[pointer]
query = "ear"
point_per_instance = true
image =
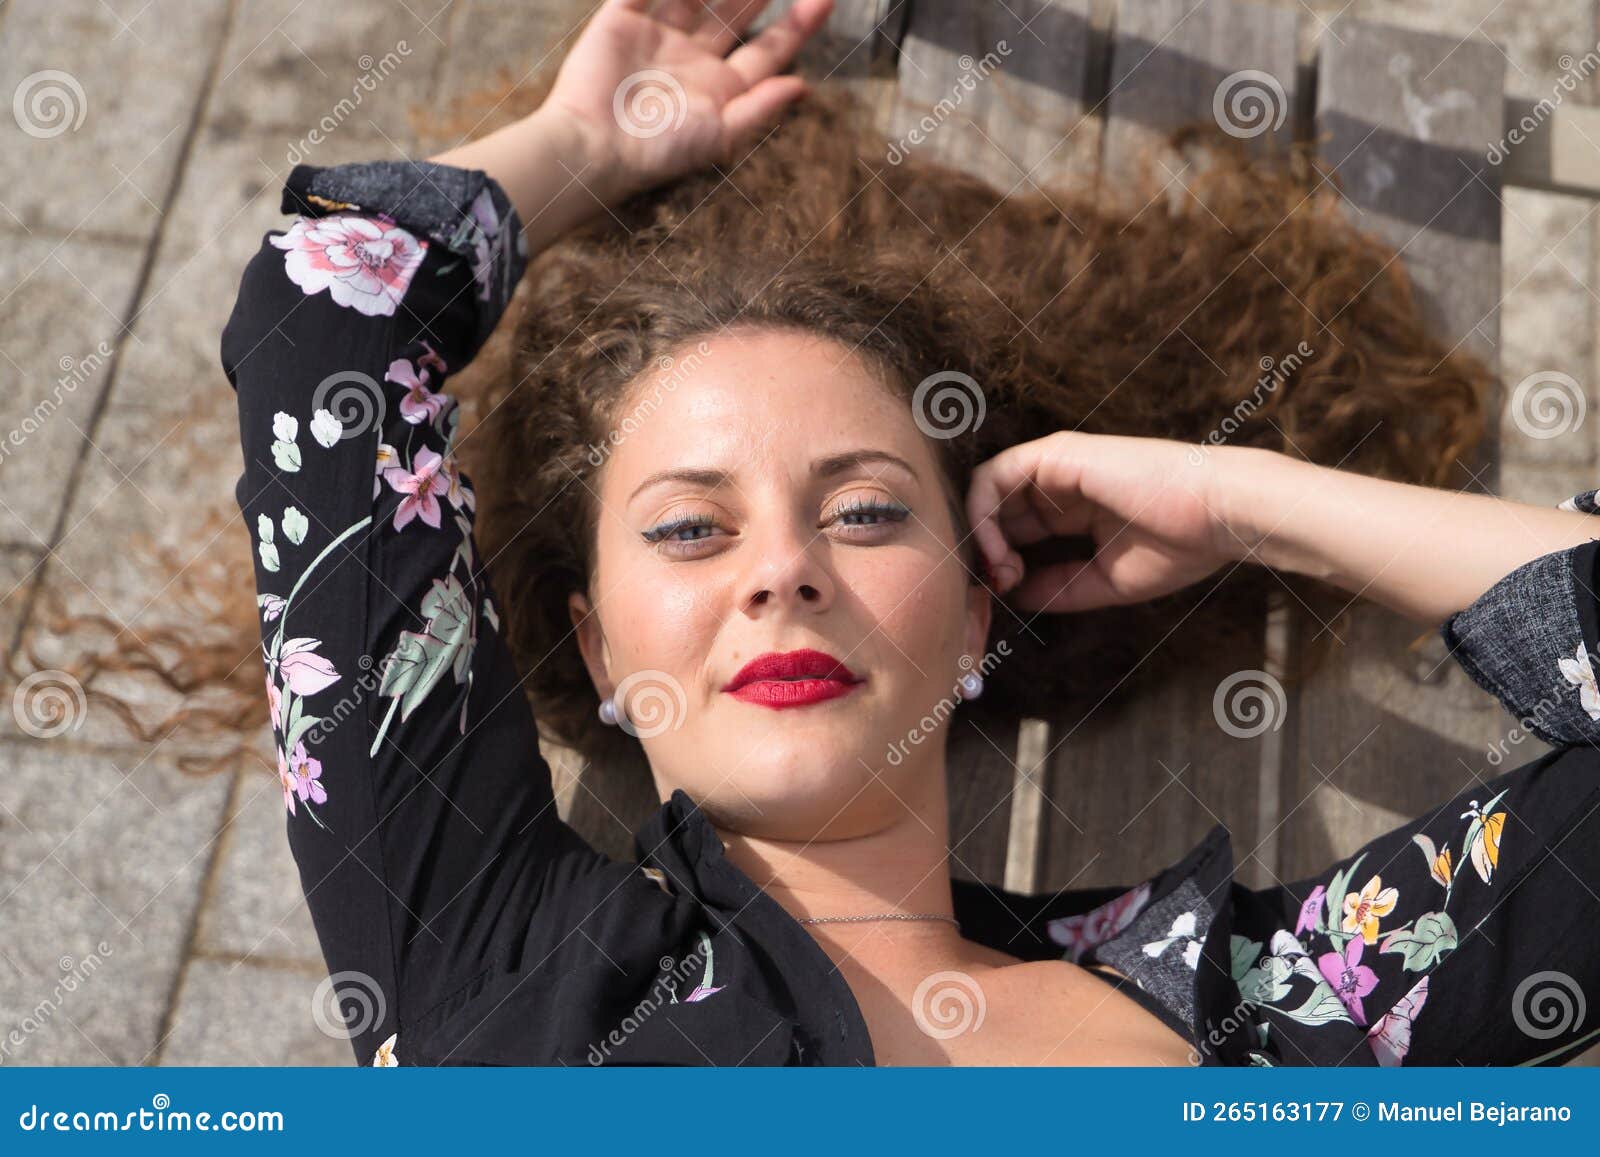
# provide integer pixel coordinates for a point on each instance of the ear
(591, 641)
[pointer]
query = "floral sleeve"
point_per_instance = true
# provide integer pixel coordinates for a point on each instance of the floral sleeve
(418, 806)
(1530, 639)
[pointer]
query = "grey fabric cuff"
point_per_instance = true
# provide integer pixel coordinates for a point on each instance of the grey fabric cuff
(1530, 640)
(463, 210)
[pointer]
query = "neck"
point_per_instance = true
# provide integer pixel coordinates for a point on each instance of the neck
(900, 865)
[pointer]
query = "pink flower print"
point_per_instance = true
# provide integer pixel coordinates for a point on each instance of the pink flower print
(432, 361)
(286, 780)
(701, 992)
(1351, 980)
(307, 772)
(275, 703)
(1390, 1037)
(1086, 930)
(1309, 910)
(420, 403)
(459, 493)
(421, 488)
(305, 673)
(365, 263)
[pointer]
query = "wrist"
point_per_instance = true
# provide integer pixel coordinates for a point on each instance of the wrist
(1257, 490)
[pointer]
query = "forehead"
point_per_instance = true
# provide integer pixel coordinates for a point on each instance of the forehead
(749, 400)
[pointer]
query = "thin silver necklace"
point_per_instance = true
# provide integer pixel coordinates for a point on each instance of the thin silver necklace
(884, 916)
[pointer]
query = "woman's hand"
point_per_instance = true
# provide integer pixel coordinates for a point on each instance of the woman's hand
(1151, 505)
(641, 98)
(657, 93)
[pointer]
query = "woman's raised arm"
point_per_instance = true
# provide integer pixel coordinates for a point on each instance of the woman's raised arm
(419, 808)
(1511, 586)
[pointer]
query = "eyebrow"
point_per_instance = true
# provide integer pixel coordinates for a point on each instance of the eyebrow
(828, 467)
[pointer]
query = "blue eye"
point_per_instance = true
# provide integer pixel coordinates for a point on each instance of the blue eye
(870, 508)
(668, 529)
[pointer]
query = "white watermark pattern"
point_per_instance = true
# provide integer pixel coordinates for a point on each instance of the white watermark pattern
(49, 703)
(1249, 703)
(948, 1004)
(48, 103)
(948, 404)
(649, 103)
(1547, 1005)
(331, 995)
(1248, 103)
(1547, 404)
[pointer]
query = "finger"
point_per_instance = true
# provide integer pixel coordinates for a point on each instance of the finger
(985, 498)
(749, 113)
(771, 52)
(1064, 587)
(724, 22)
(627, 5)
(680, 14)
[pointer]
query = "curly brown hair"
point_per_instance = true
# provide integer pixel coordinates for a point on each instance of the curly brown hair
(1104, 311)
(1190, 312)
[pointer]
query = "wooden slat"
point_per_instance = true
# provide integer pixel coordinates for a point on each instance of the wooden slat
(861, 39)
(1136, 790)
(1390, 730)
(998, 89)
(1180, 61)
(1550, 147)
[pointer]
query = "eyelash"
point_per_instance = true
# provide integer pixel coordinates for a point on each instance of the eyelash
(661, 535)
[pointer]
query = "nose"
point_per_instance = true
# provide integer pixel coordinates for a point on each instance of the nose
(788, 569)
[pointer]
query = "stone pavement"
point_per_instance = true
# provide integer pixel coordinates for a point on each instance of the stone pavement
(149, 916)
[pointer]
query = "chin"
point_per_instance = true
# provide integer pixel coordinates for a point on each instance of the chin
(799, 787)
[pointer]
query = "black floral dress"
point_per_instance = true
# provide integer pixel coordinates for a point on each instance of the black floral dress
(464, 922)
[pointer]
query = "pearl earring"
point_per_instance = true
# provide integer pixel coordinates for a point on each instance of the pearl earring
(608, 711)
(971, 685)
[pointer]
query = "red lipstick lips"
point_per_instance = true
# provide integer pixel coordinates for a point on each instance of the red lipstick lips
(792, 679)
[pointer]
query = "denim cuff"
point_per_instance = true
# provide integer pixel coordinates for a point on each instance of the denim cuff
(1530, 639)
(463, 210)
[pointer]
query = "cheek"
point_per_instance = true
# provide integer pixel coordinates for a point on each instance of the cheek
(918, 612)
(662, 624)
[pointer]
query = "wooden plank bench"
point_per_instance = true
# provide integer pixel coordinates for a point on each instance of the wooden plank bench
(1389, 728)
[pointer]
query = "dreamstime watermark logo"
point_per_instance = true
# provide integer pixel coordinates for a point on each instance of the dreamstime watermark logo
(1274, 372)
(1547, 703)
(74, 974)
(373, 73)
(74, 373)
(354, 399)
(1547, 404)
(1573, 74)
(1249, 703)
(650, 703)
(1547, 1005)
(355, 991)
(1248, 103)
(929, 725)
(49, 703)
(672, 372)
(49, 103)
(649, 103)
(948, 404)
(972, 71)
(947, 1004)
(663, 990)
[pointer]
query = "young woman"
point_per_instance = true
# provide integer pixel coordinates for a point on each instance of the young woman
(726, 516)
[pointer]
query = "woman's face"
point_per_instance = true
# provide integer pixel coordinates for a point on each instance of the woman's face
(769, 495)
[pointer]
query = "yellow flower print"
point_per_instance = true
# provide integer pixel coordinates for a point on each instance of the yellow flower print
(1485, 839)
(385, 1057)
(1439, 860)
(1362, 909)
